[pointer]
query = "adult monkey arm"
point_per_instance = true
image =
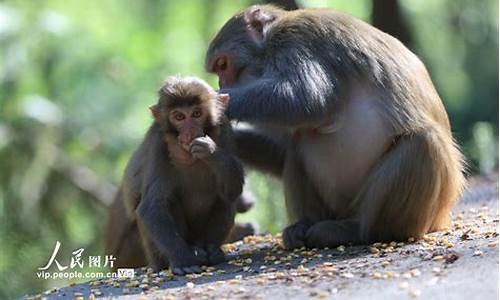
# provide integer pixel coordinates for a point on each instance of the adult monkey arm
(250, 142)
(290, 93)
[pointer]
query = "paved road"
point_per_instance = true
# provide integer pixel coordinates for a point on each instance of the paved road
(459, 264)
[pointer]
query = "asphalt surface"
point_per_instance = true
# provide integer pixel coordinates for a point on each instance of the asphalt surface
(461, 263)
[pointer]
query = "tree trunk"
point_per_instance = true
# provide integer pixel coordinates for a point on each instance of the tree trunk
(286, 4)
(387, 16)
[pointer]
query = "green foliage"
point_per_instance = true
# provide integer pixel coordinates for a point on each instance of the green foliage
(76, 78)
(484, 147)
(269, 210)
(458, 41)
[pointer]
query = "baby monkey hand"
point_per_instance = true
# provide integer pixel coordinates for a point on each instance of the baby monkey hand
(203, 147)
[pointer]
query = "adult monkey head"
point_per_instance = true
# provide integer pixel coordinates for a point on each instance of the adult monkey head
(266, 47)
(371, 156)
(236, 53)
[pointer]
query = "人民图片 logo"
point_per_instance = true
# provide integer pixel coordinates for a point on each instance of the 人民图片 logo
(78, 263)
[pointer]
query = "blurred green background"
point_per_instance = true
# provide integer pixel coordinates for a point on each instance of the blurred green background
(76, 78)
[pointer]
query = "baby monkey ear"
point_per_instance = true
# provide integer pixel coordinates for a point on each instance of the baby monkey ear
(223, 101)
(224, 98)
(155, 112)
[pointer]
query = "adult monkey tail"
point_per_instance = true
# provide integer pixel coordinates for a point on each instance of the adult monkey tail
(412, 189)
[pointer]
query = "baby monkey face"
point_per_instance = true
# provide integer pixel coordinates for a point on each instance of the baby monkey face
(189, 122)
(188, 109)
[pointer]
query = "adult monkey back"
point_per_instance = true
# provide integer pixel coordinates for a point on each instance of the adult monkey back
(366, 151)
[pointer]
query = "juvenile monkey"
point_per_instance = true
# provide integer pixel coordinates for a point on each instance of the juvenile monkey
(353, 124)
(181, 185)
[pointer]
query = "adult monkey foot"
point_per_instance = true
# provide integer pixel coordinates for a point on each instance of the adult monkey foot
(332, 233)
(294, 236)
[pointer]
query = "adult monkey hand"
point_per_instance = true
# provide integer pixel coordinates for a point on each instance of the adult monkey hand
(385, 168)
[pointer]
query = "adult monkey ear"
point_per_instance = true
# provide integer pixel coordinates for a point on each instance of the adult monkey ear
(258, 21)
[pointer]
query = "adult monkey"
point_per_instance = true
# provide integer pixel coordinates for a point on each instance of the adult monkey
(366, 151)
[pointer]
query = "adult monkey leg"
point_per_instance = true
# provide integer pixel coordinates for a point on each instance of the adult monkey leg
(413, 188)
(409, 193)
(304, 205)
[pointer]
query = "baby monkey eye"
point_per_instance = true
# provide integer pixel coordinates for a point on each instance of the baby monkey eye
(179, 116)
(196, 114)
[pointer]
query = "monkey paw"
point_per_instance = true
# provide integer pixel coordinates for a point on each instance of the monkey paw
(317, 237)
(185, 270)
(202, 147)
(294, 236)
(201, 253)
(188, 263)
(332, 233)
(215, 255)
